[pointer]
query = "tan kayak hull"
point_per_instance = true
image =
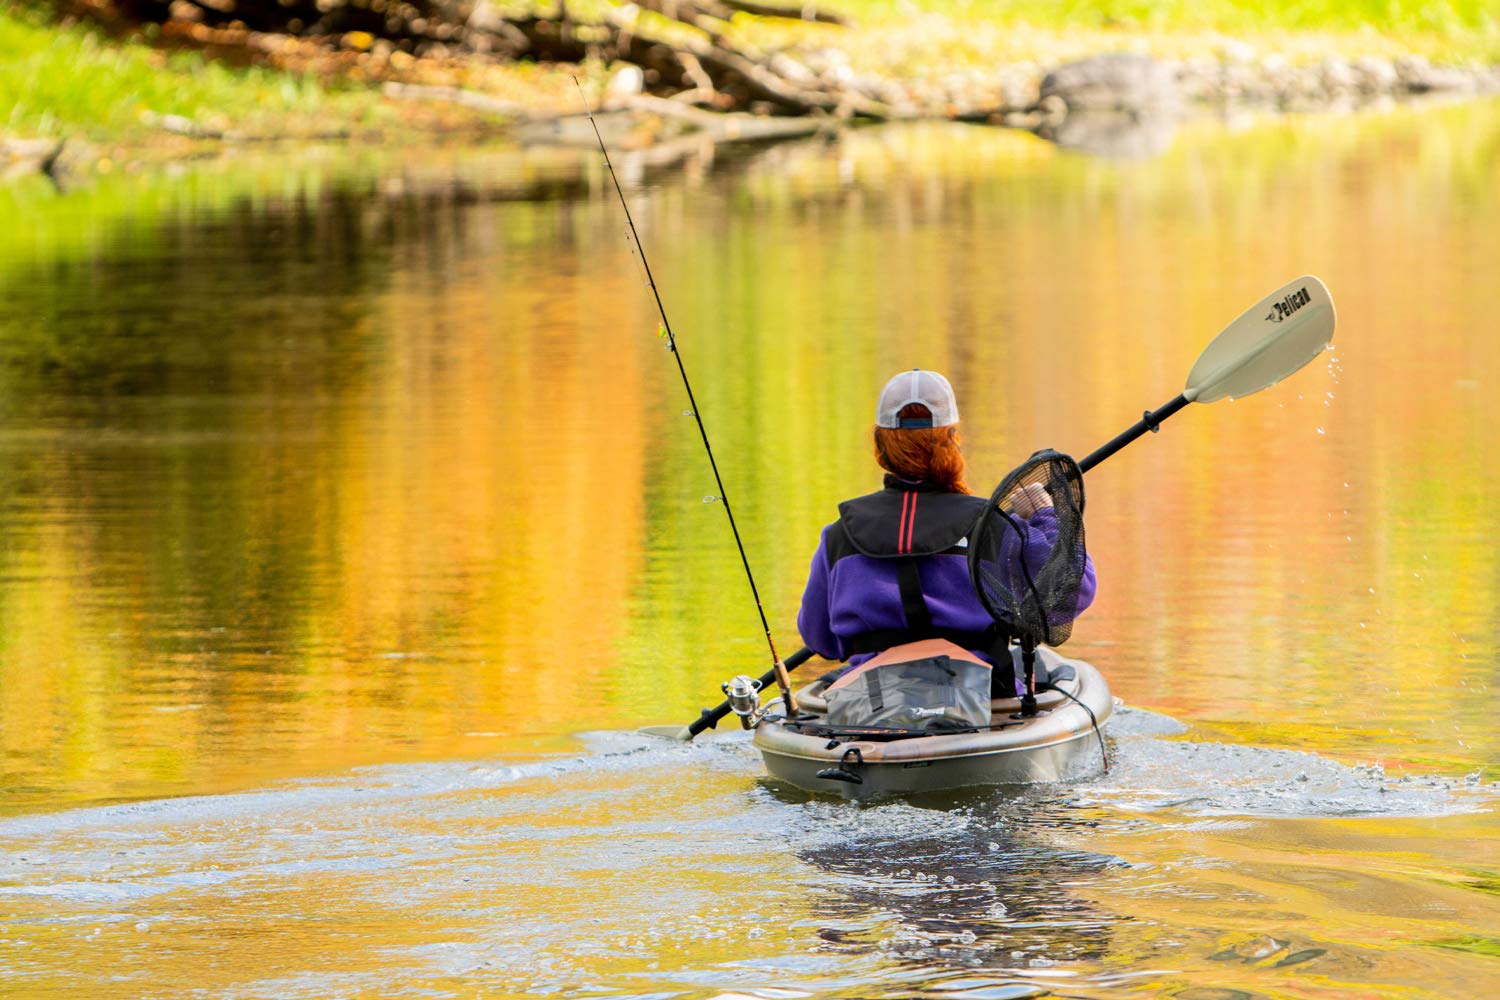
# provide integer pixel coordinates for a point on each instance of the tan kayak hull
(1057, 745)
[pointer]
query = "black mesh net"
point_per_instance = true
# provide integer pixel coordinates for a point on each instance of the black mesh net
(1026, 554)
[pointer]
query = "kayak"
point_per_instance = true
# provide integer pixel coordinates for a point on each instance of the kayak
(1060, 742)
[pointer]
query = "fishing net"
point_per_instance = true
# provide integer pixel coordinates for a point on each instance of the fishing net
(1026, 553)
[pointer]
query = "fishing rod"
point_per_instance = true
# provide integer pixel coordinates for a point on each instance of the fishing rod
(783, 679)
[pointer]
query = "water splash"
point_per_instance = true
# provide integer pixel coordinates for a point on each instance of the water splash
(1219, 779)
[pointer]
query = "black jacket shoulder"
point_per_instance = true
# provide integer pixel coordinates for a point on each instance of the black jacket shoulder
(905, 520)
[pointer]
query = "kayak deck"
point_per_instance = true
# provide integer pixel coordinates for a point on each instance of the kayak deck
(1056, 744)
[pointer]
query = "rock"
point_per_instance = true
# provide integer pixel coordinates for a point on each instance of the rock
(1304, 88)
(1338, 77)
(65, 161)
(1423, 78)
(1114, 135)
(627, 81)
(180, 125)
(1018, 91)
(1052, 108)
(1374, 75)
(1416, 75)
(19, 157)
(1115, 82)
(1198, 79)
(1244, 83)
(1234, 51)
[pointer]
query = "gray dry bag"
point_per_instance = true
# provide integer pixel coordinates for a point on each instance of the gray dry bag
(936, 694)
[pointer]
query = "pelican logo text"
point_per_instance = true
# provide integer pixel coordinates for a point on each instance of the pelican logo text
(1283, 309)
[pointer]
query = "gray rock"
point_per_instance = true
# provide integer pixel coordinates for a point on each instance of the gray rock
(1375, 75)
(1018, 91)
(1114, 135)
(1052, 108)
(1338, 76)
(1114, 82)
(1446, 79)
(1234, 51)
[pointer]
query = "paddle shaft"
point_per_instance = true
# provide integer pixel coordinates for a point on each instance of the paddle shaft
(1150, 421)
(710, 719)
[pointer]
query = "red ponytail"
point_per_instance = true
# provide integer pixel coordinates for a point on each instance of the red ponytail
(929, 454)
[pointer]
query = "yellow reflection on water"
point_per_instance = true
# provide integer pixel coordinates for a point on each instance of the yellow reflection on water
(427, 488)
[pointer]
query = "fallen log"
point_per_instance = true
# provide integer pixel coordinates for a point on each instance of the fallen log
(684, 47)
(807, 12)
(472, 99)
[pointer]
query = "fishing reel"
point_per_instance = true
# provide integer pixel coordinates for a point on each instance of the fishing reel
(744, 699)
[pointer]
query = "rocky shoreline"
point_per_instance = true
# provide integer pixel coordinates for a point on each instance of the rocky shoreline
(1237, 77)
(1114, 104)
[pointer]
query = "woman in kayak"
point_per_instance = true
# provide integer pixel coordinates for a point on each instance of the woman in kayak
(893, 569)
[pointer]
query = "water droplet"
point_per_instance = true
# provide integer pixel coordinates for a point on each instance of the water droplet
(1320, 430)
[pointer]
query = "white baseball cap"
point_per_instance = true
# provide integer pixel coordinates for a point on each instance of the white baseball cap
(917, 386)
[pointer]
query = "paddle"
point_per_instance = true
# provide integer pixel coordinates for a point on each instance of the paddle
(708, 719)
(1272, 339)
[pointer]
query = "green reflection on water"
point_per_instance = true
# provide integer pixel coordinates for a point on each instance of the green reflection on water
(353, 459)
(317, 465)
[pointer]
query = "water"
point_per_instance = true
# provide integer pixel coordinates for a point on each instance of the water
(350, 524)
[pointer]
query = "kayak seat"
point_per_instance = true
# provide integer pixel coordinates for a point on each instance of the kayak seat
(1062, 675)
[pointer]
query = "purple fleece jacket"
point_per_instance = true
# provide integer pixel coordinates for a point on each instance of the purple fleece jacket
(860, 594)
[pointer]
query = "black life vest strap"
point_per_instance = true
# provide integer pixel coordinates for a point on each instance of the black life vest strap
(913, 604)
(994, 640)
(881, 639)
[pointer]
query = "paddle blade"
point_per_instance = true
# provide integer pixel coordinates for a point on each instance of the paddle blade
(682, 733)
(1269, 341)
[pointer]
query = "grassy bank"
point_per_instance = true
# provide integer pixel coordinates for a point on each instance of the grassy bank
(1450, 30)
(926, 38)
(58, 80)
(71, 80)
(1430, 17)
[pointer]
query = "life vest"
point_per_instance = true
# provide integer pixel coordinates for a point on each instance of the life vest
(903, 523)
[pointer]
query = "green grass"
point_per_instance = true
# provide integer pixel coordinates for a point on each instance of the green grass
(1385, 16)
(62, 80)
(1450, 30)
